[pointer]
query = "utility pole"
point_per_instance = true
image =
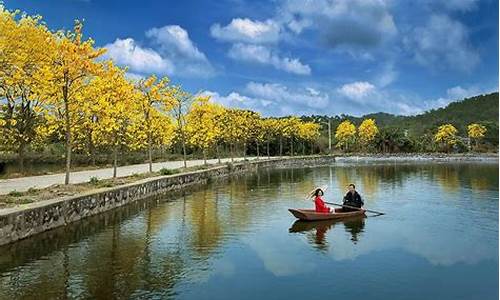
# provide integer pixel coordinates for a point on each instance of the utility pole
(329, 123)
(330, 135)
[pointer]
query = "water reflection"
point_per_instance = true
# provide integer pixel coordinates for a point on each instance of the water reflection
(317, 230)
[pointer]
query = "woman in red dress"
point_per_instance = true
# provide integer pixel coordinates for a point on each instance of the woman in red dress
(320, 204)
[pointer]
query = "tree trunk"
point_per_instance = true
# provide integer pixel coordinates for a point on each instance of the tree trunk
(231, 149)
(150, 153)
(92, 151)
(245, 151)
(218, 154)
(184, 152)
(312, 148)
(258, 154)
(291, 146)
(303, 148)
(68, 135)
(205, 157)
(20, 153)
(281, 146)
(268, 153)
(115, 160)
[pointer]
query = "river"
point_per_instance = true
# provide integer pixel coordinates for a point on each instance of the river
(235, 239)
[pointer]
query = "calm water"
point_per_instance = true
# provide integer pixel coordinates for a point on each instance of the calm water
(235, 239)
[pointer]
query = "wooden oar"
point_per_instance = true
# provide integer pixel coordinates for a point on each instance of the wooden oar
(357, 208)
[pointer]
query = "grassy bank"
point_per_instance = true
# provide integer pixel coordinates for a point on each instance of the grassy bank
(16, 198)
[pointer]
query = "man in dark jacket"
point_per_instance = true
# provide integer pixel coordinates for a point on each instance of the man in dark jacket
(352, 198)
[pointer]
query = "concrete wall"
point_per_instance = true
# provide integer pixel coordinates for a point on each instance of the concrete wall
(20, 223)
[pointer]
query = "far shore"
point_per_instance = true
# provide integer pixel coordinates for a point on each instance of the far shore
(417, 157)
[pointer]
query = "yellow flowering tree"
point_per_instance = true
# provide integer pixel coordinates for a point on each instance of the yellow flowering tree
(281, 132)
(269, 128)
(114, 110)
(202, 127)
(250, 121)
(291, 131)
(234, 122)
(309, 132)
(72, 64)
(476, 132)
(345, 134)
(155, 127)
(258, 132)
(183, 102)
(367, 132)
(22, 53)
(446, 135)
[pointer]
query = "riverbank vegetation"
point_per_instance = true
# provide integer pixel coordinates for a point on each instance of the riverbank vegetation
(60, 101)
(475, 120)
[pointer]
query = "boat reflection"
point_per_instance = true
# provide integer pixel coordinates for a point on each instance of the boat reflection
(316, 230)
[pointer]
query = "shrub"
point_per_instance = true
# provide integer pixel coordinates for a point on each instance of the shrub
(165, 171)
(93, 180)
(15, 193)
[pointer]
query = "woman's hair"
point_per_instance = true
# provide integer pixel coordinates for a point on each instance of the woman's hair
(317, 191)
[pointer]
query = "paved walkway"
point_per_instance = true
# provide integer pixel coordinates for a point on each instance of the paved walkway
(24, 183)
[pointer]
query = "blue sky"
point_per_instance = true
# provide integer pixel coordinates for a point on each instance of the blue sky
(285, 57)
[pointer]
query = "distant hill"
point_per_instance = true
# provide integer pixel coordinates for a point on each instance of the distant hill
(479, 109)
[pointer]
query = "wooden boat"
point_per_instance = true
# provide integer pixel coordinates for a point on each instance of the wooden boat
(312, 215)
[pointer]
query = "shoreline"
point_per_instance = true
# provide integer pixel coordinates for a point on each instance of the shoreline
(25, 220)
(418, 157)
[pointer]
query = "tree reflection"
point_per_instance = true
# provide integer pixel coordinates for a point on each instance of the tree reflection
(448, 178)
(205, 221)
(370, 183)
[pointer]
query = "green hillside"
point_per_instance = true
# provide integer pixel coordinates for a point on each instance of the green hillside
(481, 109)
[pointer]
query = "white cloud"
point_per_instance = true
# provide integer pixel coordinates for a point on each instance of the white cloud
(174, 54)
(175, 40)
(278, 93)
(459, 93)
(133, 76)
(456, 93)
(236, 100)
(442, 42)
(356, 90)
(263, 55)
(246, 30)
(127, 52)
(274, 99)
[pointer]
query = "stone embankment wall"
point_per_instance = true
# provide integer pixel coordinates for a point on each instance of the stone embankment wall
(20, 223)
